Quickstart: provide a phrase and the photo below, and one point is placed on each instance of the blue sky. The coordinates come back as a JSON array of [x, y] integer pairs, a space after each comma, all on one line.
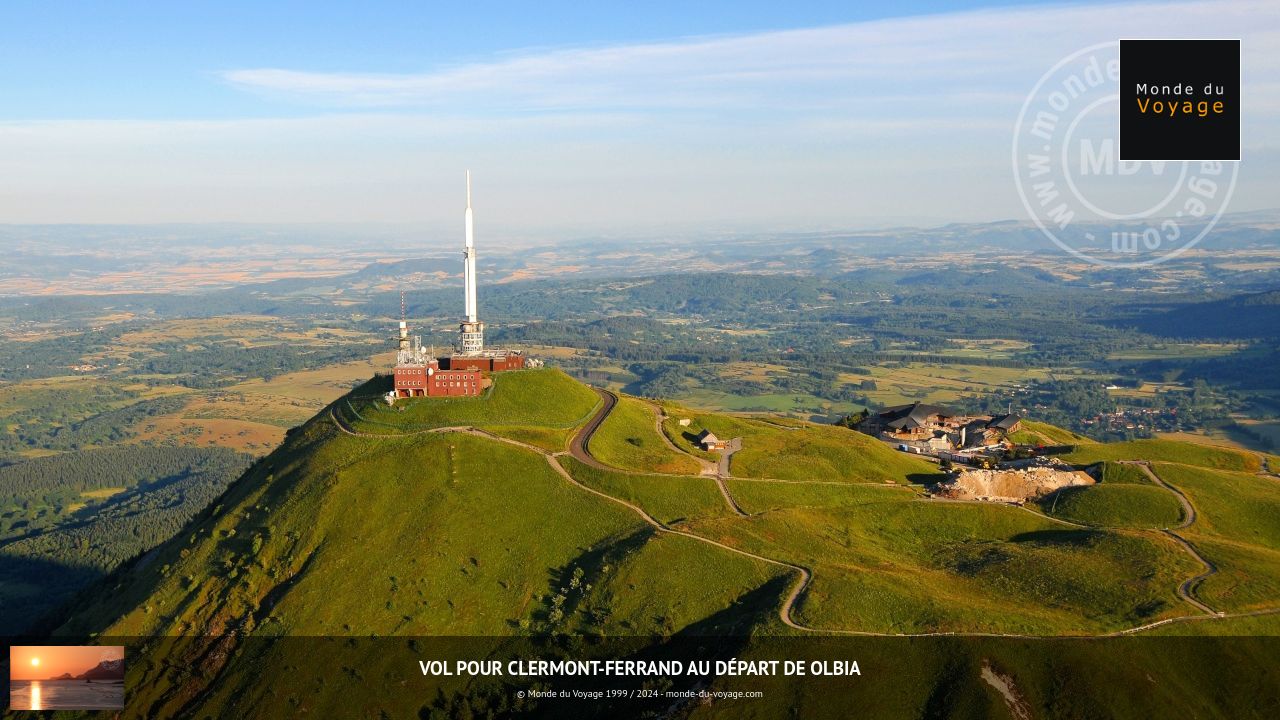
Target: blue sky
[[148, 60], [575, 117]]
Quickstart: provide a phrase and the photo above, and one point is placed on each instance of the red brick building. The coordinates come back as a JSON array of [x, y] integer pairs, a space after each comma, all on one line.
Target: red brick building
[[428, 380], [490, 361]]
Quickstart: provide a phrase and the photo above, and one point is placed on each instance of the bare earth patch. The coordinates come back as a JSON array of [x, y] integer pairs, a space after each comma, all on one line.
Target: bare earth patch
[[1012, 486]]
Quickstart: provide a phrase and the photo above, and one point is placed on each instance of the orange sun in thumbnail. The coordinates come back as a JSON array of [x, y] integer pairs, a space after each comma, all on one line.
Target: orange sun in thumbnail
[[35, 662]]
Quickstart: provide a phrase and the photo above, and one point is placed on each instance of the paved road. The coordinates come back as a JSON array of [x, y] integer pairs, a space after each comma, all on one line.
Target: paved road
[[731, 447], [803, 575], [578, 445]]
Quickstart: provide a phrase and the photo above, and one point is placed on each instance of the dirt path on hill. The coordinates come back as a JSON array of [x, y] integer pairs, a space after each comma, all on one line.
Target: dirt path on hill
[[706, 467], [804, 576], [1188, 510], [718, 470], [1041, 515], [1266, 470], [1189, 585], [722, 468]]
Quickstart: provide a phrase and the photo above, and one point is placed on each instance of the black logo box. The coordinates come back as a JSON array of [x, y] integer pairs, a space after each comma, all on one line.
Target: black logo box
[[1205, 73]]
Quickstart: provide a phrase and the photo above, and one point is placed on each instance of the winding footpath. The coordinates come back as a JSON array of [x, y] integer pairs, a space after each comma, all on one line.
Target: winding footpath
[[719, 471], [1188, 586], [705, 467], [579, 449]]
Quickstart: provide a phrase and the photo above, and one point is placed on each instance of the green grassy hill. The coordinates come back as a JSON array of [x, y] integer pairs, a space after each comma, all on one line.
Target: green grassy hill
[[1118, 505], [1038, 433], [381, 535], [366, 524], [796, 450], [627, 440], [1168, 451], [539, 406], [1115, 473], [882, 557], [1238, 529]]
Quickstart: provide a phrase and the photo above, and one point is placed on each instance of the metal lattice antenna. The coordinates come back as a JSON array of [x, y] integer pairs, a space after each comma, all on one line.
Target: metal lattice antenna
[[402, 317]]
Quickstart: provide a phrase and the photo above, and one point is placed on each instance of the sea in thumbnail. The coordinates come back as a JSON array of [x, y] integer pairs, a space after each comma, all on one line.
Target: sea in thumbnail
[[65, 695]]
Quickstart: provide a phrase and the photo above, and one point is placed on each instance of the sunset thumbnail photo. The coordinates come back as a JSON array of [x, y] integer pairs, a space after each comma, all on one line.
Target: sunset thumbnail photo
[[66, 677]]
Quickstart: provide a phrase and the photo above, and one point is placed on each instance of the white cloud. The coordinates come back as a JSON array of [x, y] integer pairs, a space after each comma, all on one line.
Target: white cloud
[[962, 55], [837, 126]]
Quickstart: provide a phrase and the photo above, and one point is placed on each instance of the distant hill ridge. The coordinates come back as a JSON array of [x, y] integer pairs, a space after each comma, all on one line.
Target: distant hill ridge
[[105, 670]]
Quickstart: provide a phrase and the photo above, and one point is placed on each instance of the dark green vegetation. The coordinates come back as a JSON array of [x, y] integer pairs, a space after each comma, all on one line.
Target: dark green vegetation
[[1059, 679], [67, 520], [61, 420]]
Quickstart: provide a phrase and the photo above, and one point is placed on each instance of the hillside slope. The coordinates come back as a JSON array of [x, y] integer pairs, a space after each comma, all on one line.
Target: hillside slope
[[430, 520]]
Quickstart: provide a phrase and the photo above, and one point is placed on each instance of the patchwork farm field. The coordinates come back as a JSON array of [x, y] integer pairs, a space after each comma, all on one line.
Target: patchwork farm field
[[900, 383], [190, 382], [800, 403], [244, 435]]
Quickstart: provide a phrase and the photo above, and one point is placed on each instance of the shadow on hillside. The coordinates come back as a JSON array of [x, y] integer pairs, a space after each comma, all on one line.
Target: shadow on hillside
[[747, 612], [36, 589], [1074, 538], [926, 478], [569, 582], [1048, 500]]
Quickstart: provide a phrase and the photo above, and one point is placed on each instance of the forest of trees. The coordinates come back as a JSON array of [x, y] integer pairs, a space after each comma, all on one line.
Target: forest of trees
[[71, 421], [54, 539], [216, 365]]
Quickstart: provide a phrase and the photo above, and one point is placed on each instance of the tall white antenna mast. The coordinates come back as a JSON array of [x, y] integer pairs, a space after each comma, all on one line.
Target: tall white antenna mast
[[469, 258]]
